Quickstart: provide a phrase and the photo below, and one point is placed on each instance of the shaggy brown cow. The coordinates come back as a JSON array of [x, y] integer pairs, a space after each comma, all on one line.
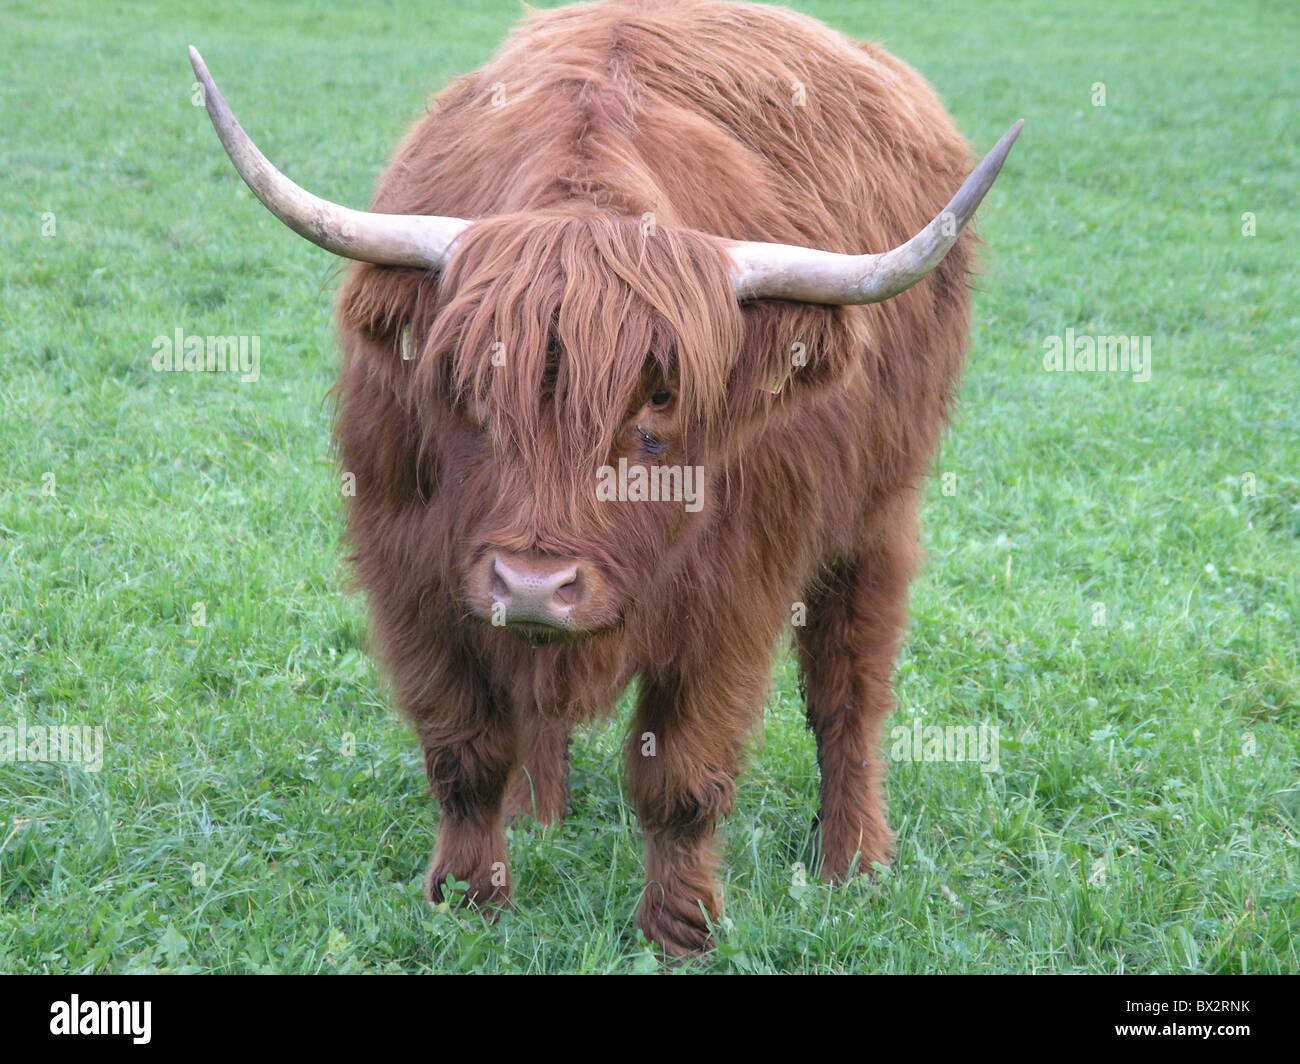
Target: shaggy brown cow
[[593, 286]]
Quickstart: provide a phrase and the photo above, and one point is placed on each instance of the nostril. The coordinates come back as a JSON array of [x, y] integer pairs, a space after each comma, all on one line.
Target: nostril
[[500, 588], [570, 590]]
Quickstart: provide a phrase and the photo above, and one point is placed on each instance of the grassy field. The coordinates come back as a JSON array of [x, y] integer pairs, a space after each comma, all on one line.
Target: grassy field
[[1112, 575]]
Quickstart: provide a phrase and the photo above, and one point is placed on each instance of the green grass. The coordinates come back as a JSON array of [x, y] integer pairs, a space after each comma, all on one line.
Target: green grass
[[1145, 817]]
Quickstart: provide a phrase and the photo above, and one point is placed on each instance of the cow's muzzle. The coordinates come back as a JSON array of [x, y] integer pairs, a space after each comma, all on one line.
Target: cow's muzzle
[[528, 592]]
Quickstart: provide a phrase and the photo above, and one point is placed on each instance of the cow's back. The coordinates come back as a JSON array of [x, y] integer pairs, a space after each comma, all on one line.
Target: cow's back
[[742, 120]]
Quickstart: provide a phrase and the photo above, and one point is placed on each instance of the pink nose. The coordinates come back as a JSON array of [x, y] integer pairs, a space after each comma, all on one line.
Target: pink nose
[[535, 590]]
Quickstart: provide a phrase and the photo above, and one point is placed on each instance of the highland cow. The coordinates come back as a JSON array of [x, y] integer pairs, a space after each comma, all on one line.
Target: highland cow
[[705, 237]]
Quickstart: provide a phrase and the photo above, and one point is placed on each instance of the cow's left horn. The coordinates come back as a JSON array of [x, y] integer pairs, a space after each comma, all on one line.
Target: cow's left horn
[[807, 275], [421, 241]]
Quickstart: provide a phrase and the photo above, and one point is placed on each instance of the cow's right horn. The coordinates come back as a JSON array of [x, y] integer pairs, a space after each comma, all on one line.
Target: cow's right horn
[[420, 241]]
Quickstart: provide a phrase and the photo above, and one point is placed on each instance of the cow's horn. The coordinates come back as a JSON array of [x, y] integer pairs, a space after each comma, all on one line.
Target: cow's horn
[[386, 239], [806, 275]]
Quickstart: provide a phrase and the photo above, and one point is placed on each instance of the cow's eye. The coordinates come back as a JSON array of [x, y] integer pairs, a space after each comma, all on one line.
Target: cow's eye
[[476, 413], [661, 398]]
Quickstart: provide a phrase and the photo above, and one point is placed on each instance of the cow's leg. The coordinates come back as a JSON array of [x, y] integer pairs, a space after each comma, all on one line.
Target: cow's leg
[[468, 756], [684, 753], [539, 784], [855, 621]]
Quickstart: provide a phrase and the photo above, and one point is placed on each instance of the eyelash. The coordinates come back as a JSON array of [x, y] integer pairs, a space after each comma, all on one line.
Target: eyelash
[[652, 444]]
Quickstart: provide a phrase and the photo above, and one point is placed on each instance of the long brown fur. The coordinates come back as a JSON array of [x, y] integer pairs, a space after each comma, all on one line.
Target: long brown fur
[[605, 150]]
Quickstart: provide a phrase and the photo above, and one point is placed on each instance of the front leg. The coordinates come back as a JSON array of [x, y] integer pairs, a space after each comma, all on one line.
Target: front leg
[[856, 619], [468, 756], [684, 754]]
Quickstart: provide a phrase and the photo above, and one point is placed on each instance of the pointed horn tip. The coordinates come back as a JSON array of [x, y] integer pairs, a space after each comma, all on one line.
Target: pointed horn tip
[[196, 61], [999, 152]]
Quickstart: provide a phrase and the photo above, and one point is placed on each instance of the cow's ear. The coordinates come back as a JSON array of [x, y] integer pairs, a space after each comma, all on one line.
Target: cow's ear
[[789, 349], [395, 307]]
